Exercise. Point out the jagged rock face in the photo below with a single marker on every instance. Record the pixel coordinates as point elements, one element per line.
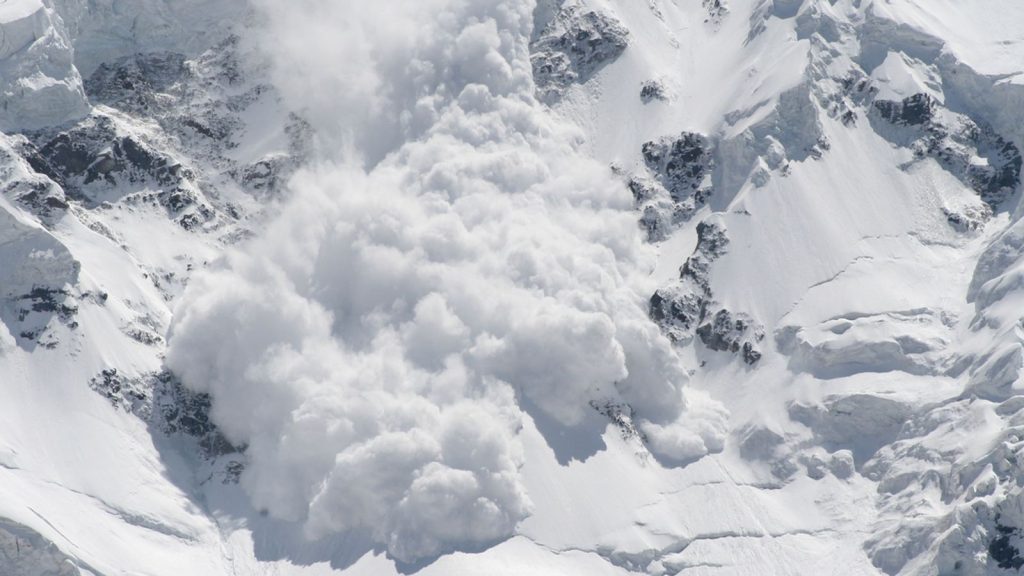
<point>653,90</point>
<point>677,310</point>
<point>682,165</point>
<point>36,192</point>
<point>96,155</point>
<point>687,307</point>
<point>728,332</point>
<point>108,158</point>
<point>679,183</point>
<point>573,47</point>
<point>161,401</point>
<point>140,84</point>
<point>975,154</point>
<point>175,92</point>
<point>680,308</point>
<point>913,111</point>
<point>101,161</point>
<point>1005,548</point>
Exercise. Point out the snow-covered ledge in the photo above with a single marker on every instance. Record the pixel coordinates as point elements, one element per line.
<point>39,85</point>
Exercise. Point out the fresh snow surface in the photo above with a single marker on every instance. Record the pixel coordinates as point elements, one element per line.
<point>14,10</point>
<point>460,287</point>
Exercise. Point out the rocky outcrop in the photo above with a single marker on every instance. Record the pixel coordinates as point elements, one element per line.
<point>716,11</point>
<point>687,307</point>
<point>916,110</point>
<point>676,184</point>
<point>20,183</point>
<point>974,153</point>
<point>736,333</point>
<point>679,308</point>
<point>189,99</point>
<point>181,95</point>
<point>573,47</point>
<point>160,400</point>
<point>102,159</point>
<point>682,165</point>
<point>168,129</point>
<point>653,90</point>
<point>99,154</point>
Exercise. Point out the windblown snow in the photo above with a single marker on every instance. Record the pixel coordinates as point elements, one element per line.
<point>396,311</point>
<point>511,287</point>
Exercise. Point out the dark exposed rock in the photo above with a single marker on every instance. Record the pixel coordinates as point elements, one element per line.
<point>712,243</point>
<point>622,416</point>
<point>39,194</point>
<point>677,309</point>
<point>716,11</point>
<point>680,182</point>
<point>98,161</point>
<point>660,215</point>
<point>1001,548</point>
<point>687,307</point>
<point>136,83</point>
<point>41,198</point>
<point>733,333</point>
<point>124,393</point>
<point>858,87</point>
<point>912,111</point>
<point>267,176</point>
<point>47,300</point>
<point>143,336</point>
<point>177,94</point>
<point>167,88</point>
<point>162,401</point>
<point>969,218</point>
<point>652,90</point>
<point>680,307</point>
<point>97,151</point>
<point>573,47</point>
<point>683,166</point>
<point>162,118</point>
<point>957,143</point>
<point>35,309</point>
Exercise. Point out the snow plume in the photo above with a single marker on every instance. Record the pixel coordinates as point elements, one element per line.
<point>450,254</point>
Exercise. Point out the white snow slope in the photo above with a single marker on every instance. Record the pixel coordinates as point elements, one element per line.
<point>511,287</point>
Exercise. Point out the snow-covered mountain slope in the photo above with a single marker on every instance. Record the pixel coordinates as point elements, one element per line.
<point>511,287</point>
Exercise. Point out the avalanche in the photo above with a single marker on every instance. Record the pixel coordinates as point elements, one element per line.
<point>511,287</point>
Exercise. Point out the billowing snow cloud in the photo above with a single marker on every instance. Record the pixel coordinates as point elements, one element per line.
<point>450,253</point>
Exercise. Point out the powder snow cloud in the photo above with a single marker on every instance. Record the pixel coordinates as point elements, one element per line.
<point>449,252</point>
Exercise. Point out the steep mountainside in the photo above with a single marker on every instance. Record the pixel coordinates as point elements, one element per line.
<point>511,287</point>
